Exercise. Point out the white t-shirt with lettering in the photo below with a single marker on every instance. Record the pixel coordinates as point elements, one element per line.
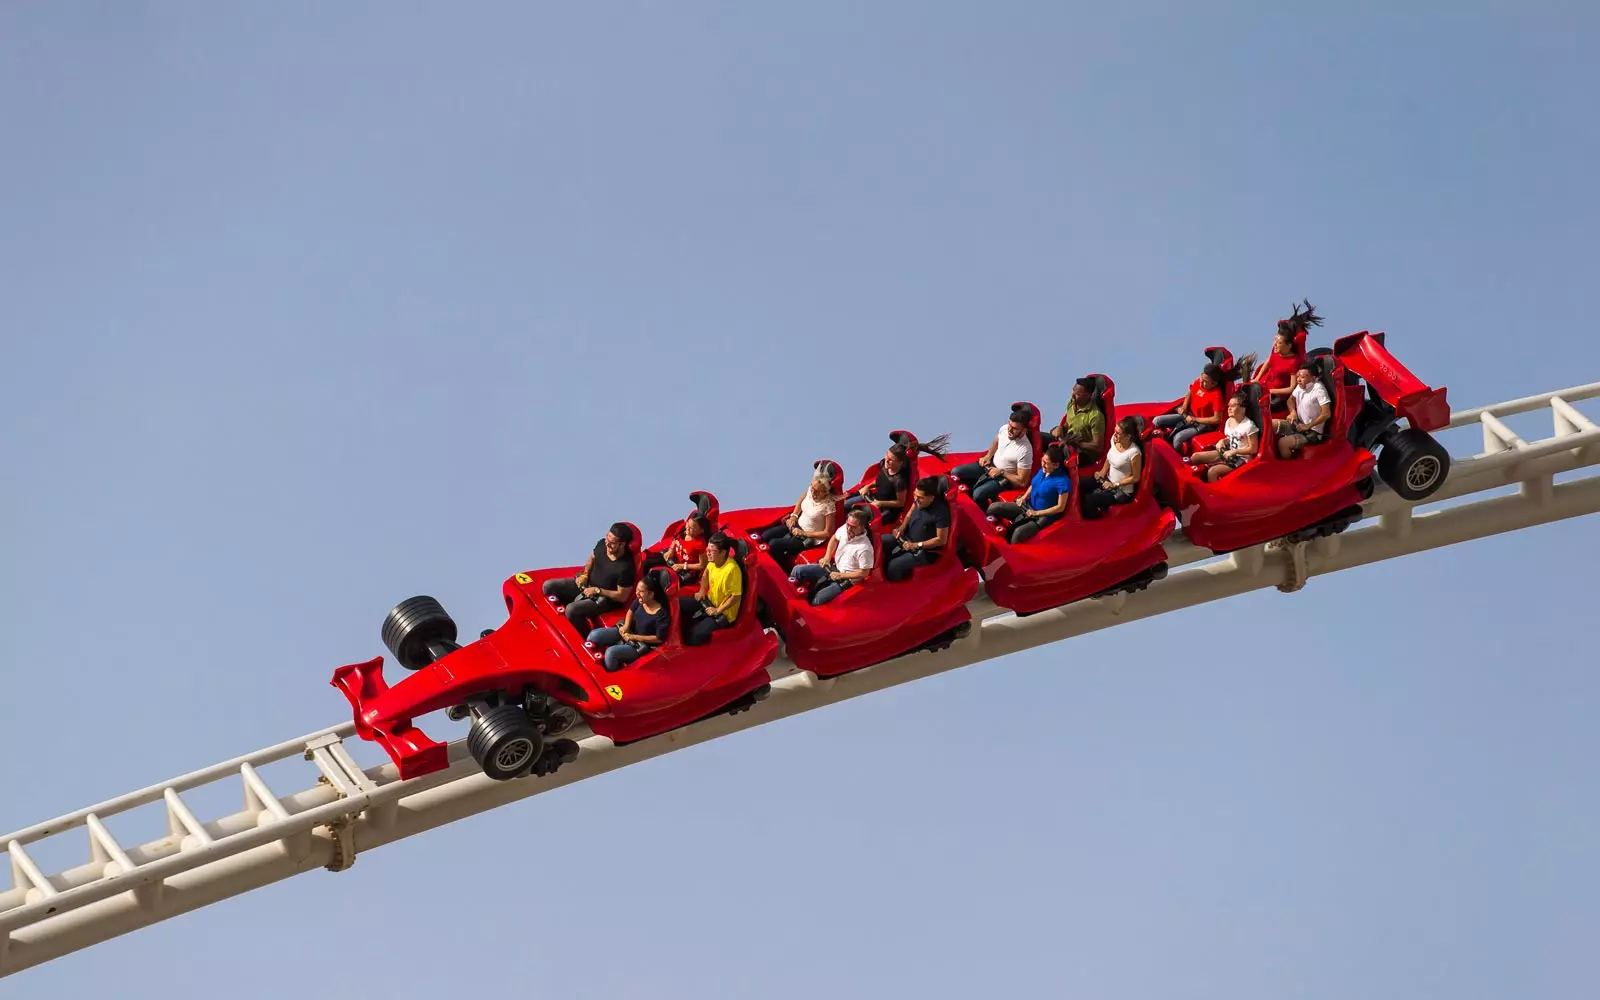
<point>1237,430</point>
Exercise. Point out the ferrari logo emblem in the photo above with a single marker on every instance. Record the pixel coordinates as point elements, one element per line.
<point>615,692</point>
<point>523,578</point>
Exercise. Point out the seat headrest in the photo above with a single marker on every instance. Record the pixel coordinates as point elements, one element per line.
<point>741,547</point>
<point>703,502</point>
<point>1026,410</point>
<point>904,438</point>
<point>663,579</point>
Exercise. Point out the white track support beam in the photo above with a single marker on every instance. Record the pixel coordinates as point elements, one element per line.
<point>348,809</point>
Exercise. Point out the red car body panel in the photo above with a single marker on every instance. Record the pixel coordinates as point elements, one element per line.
<point>1071,558</point>
<point>666,688</point>
<point>872,621</point>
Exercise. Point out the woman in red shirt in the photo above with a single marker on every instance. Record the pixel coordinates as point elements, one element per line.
<point>1200,411</point>
<point>1288,353</point>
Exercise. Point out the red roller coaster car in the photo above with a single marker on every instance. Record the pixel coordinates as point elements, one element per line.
<point>534,678</point>
<point>1072,558</point>
<point>1318,491</point>
<point>877,619</point>
<point>530,680</point>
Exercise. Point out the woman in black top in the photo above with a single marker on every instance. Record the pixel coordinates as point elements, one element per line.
<point>603,585</point>
<point>918,538</point>
<point>643,628</point>
<point>888,494</point>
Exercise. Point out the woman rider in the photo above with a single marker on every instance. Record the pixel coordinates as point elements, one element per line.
<point>890,492</point>
<point>1044,501</point>
<point>642,629</point>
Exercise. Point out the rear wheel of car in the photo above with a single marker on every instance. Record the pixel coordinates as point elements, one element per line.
<point>1413,464</point>
<point>504,742</point>
<point>418,631</point>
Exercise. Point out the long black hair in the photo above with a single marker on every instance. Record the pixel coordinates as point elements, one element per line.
<point>905,444</point>
<point>1298,322</point>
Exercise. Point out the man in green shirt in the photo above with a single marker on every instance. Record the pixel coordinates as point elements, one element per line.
<point>1083,426</point>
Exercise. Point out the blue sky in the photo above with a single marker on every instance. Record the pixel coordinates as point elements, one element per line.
<point>308,309</point>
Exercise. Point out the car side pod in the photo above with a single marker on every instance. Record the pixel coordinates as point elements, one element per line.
<point>413,752</point>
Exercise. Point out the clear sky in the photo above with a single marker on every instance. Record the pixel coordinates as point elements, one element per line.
<point>307,308</point>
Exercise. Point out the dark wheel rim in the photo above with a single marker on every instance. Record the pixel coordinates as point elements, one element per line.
<point>1423,473</point>
<point>513,754</point>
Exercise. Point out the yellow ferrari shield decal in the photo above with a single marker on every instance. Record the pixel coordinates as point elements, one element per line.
<point>615,692</point>
<point>523,578</point>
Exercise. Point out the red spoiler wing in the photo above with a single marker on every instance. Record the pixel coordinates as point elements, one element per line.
<point>1363,353</point>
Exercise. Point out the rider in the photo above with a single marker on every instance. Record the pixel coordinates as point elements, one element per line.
<point>1083,425</point>
<point>1310,408</point>
<point>919,536</point>
<point>1117,480</point>
<point>1008,464</point>
<point>810,523</point>
<point>1288,354</point>
<point>1200,411</point>
<point>1043,502</point>
<point>889,493</point>
<point>642,629</point>
<point>1240,439</point>
<point>603,585</point>
<point>721,590</point>
<point>847,562</point>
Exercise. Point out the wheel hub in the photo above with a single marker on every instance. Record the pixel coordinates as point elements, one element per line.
<point>1423,472</point>
<point>513,754</point>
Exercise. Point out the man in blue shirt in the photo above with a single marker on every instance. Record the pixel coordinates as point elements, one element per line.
<point>1045,501</point>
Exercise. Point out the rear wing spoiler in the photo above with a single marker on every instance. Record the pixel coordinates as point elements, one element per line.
<point>1364,355</point>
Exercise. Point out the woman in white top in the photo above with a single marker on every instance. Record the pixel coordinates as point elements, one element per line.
<point>848,561</point>
<point>810,523</point>
<point>1240,440</point>
<point>1117,480</point>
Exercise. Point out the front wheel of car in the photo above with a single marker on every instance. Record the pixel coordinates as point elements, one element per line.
<point>504,742</point>
<point>1413,464</point>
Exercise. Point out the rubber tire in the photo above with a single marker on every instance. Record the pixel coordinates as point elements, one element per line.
<point>1408,453</point>
<point>411,626</point>
<point>498,731</point>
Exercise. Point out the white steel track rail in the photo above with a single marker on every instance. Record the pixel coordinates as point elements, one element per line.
<point>350,809</point>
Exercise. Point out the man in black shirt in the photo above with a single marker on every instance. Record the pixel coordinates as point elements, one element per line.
<point>605,584</point>
<point>919,537</point>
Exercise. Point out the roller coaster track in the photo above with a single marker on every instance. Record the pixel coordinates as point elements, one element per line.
<point>350,810</point>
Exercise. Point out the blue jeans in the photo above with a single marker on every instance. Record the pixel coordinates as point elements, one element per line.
<point>815,573</point>
<point>618,653</point>
<point>1186,428</point>
<point>983,486</point>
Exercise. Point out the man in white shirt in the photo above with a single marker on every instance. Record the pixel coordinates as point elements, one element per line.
<point>848,560</point>
<point>1311,409</point>
<point>1008,464</point>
